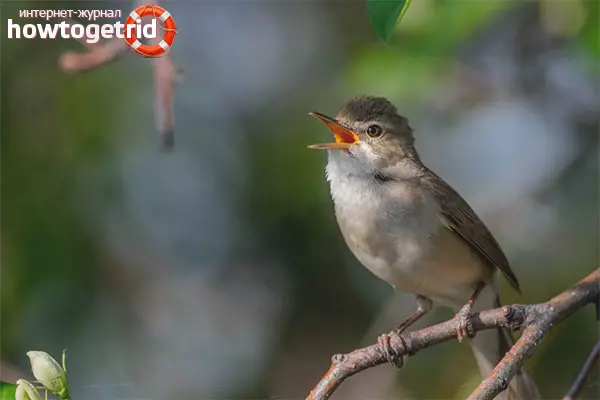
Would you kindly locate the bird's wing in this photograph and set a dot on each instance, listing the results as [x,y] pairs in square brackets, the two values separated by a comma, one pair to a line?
[460,218]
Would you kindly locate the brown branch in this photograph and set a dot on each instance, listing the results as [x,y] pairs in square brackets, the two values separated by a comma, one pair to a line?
[165,74]
[537,326]
[592,359]
[537,319]
[94,57]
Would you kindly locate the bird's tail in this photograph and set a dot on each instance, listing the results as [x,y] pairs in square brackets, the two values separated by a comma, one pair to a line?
[491,345]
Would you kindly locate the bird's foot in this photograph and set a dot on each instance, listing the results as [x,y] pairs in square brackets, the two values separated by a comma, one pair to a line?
[465,325]
[391,356]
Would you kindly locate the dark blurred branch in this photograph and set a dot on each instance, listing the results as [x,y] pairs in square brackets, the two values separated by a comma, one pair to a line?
[165,74]
[536,319]
[584,373]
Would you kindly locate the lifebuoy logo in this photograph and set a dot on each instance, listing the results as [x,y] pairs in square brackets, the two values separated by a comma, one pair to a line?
[170,29]
[133,31]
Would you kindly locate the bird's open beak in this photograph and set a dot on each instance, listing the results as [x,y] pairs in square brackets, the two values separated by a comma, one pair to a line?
[344,137]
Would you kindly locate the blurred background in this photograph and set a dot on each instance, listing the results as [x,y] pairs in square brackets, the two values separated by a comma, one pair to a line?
[216,270]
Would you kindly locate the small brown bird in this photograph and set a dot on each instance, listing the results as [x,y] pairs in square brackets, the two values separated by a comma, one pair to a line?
[411,229]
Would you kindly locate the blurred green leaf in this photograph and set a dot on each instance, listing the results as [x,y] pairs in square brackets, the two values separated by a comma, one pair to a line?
[589,32]
[7,391]
[384,15]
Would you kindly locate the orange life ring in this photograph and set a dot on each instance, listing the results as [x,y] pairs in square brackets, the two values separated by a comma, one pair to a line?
[165,44]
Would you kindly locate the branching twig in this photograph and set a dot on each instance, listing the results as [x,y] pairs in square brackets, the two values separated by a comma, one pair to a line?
[165,73]
[537,325]
[537,319]
[584,373]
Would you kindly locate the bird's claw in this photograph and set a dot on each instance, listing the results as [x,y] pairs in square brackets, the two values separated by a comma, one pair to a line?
[465,325]
[391,356]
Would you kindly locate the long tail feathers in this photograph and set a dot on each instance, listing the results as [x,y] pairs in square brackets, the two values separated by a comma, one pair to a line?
[490,346]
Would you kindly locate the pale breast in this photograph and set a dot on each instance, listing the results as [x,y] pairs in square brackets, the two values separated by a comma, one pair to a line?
[389,228]
[394,230]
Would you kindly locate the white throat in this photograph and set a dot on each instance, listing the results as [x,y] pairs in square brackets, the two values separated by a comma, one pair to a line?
[352,183]
[340,165]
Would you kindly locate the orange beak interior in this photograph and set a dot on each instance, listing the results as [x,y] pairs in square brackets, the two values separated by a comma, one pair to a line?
[344,137]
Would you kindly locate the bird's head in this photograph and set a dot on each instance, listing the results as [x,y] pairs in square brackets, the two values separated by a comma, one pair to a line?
[370,131]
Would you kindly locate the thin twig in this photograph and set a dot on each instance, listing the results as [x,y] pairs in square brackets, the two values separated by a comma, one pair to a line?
[592,359]
[165,74]
[94,57]
[537,319]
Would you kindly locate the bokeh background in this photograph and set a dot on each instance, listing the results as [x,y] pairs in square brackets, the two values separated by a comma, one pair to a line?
[216,270]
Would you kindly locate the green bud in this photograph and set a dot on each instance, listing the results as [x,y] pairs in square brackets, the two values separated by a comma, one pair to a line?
[49,373]
[26,391]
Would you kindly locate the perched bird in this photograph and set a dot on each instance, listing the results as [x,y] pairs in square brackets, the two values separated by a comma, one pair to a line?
[412,230]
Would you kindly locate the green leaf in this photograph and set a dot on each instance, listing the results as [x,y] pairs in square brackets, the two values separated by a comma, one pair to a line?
[385,15]
[7,391]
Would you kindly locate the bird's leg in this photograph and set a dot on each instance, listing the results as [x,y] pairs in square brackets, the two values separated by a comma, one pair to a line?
[465,326]
[423,307]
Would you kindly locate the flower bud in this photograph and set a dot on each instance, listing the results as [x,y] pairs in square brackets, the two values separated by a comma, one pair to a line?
[26,391]
[49,373]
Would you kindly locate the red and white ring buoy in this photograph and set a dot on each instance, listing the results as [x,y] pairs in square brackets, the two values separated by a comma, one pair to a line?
[165,44]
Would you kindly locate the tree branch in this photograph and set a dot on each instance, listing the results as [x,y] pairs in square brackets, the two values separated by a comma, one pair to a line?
[96,54]
[584,373]
[536,319]
[537,325]
[165,74]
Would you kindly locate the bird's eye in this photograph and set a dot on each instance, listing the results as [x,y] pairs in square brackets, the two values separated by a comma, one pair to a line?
[374,130]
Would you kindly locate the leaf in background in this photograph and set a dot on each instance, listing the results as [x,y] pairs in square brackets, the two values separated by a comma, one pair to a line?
[385,15]
[7,391]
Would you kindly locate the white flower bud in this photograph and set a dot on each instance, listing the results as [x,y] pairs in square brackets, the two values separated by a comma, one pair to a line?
[26,391]
[49,372]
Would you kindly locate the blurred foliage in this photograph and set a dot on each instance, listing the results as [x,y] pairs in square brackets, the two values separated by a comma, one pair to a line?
[386,15]
[589,30]
[431,31]
[46,247]
[7,391]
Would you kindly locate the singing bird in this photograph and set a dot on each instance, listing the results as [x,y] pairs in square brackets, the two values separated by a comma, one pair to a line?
[412,230]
